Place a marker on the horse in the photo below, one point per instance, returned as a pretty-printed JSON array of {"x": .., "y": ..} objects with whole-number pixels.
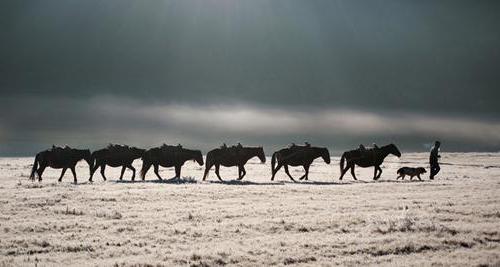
[
  {"x": 366, "y": 158},
  {"x": 168, "y": 156},
  {"x": 115, "y": 156},
  {"x": 232, "y": 156},
  {"x": 59, "y": 158},
  {"x": 297, "y": 156}
]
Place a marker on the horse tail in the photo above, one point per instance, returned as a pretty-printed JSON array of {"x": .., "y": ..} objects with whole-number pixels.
[
  {"x": 146, "y": 164},
  {"x": 342, "y": 162},
  {"x": 210, "y": 159},
  {"x": 273, "y": 161},
  {"x": 93, "y": 159},
  {"x": 35, "y": 167},
  {"x": 209, "y": 162}
]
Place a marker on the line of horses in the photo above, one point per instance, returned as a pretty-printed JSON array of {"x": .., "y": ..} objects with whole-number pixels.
[{"x": 175, "y": 156}]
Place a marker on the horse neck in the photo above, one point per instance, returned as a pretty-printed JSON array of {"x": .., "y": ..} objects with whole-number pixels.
[
  {"x": 250, "y": 152},
  {"x": 186, "y": 155},
  {"x": 384, "y": 151},
  {"x": 78, "y": 154},
  {"x": 135, "y": 154},
  {"x": 317, "y": 153}
]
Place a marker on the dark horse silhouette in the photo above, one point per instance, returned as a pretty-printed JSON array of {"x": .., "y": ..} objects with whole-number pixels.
[
  {"x": 297, "y": 156},
  {"x": 168, "y": 156},
  {"x": 232, "y": 156},
  {"x": 115, "y": 156},
  {"x": 59, "y": 158},
  {"x": 366, "y": 158}
]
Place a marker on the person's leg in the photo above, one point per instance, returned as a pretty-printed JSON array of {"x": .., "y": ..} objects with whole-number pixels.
[
  {"x": 434, "y": 171},
  {"x": 437, "y": 169}
]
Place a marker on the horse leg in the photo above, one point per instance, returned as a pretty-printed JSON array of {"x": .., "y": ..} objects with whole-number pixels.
[
  {"x": 62, "y": 174},
  {"x": 207, "y": 169},
  {"x": 123, "y": 171},
  {"x": 40, "y": 172},
  {"x": 103, "y": 168},
  {"x": 133, "y": 171},
  {"x": 178, "y": 171},
  {"x": 276, "y": 170},
  {"x": 217, "y": 167},
  {"x": 244, "y": 172},
  {"x": 74, "y": 174},
  {"x": 241, "y": 172},
  {"x": 92, "y": 171},
  {"x": 303, "y": 176},
  {"x": 307, "y": 171},
  {"x": 379, "y": 172},
  {"x": 375, "y": 173},
  {"x": 342, "y": 172},
  {"x": 418, "y": 176},
  {"x": 352, "y": 172},
  {"x": 288, "y": 173},
  {"x": 146, "y": 169},
  {"x": 156, "y": 167}
]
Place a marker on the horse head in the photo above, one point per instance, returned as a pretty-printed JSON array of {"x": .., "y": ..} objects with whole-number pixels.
[
  {"x": 393, "y": 149},
  {"x": 261, "y": 155},
  {"x": 325, "y": 154},
  {"x": 198, "y": 157}
]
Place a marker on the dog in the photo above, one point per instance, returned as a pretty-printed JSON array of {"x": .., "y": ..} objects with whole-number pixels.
[{"x": 412, "y": 172}]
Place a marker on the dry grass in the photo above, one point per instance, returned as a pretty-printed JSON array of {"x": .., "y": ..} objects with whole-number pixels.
[{"x": 454, "y": 220}]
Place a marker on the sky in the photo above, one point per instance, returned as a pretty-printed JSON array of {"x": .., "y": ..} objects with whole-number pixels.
[{"x": 335, "y": 73}]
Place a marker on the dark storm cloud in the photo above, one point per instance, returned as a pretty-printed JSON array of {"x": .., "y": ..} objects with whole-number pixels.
[
  {"x": 435, "y": 60},
  {"x": 95, "y": 121}
]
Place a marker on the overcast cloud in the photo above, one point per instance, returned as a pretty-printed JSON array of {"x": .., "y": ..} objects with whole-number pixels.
[{"x": 202, "y": 72}]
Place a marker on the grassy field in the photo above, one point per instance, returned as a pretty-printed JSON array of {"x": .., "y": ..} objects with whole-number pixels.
[{"x": 451, "y": 221}]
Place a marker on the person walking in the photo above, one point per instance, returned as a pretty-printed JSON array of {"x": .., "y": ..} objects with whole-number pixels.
[{"x": 434, "y": 160}]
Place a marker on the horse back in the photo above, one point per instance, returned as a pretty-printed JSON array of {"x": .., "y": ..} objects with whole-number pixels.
[
  {"x": 225, "y": 157},
  {"x": 295, "y": 157},
  {"x": 59, "y": 159},
  {"x": 163, "y": 157}
]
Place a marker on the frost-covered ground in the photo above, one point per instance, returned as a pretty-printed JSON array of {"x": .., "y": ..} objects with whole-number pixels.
[{"x": 454, "y": 220}]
